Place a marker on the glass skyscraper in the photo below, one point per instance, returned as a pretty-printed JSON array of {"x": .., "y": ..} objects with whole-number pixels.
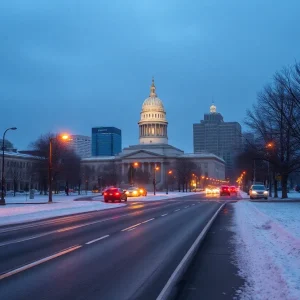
[{"x": 106, "y": 141}]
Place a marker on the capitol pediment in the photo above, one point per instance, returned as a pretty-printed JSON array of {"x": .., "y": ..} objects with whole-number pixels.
[{"x": 141, "y": 154}]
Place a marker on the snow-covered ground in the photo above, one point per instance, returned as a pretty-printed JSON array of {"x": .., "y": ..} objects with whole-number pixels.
[
  {"x": 24, "y": 198},
  {"x": 267, "y": 249},
  {"x": 162, "y": 196},
  {"x": 21, "y": 208},
  {"x": 291, "y": 196}
]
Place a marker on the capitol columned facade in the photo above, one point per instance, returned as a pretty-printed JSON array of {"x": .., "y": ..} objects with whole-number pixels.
[{"x": 153, "y": 151}]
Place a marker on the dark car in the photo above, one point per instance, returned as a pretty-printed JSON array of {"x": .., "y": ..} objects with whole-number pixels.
[
  {"x": 114, "y": 194},
  {"x": 233, "y": 190},
  {"x": 224, "y": 190}
]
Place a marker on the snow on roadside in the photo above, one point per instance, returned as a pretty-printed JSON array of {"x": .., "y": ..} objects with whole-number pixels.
[
  {"x": 267, "y": 250},
  {"x": 291, "y": 196},
  {"x": 16, "y": 213},
  {"x": 162, "y": 196},
  {"x": 23, "y": 198}
]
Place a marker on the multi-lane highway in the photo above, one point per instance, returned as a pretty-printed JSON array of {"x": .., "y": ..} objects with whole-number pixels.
[{"x": 123, "y": 253}]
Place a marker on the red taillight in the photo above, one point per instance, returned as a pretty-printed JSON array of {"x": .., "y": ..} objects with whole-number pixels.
[
  {"x": 105, "y": 194},
  {"x": 117, "y": 194}
]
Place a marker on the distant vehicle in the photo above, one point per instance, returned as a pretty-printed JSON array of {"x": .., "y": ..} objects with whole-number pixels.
[
  {"x": 142, "y": 191},
  {"x": 208, "y": 191},
  {"x": 258, "y": 191},
  {"x": 297, "y": 188},
  {"x": 105, "y": 189},
  {"x": 233, "y": 190},
  {"x": 133, "y": 192},
  {"x": 114, "y": 194},
  {"x": 224, "y": 190},
  {"x": 95, "y": 190}
]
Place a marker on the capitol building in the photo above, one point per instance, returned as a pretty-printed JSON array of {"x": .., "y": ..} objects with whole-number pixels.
[{"x": 153, "y": 153}]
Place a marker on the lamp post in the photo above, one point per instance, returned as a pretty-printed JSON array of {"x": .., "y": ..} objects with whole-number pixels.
[
  {"x": 156, "y": 168},
  {"x": 63, "y": 137},
  {"x": 2, "y": 200},
  {"x": 133, "y": 165},
  {"x": 168, "y": 173},
  {"x": 269, "y": 146}
]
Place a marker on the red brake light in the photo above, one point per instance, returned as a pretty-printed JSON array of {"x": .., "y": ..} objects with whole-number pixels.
[
  {"x": 105, "y": 194},
  {"x": 117, "y": 194}
]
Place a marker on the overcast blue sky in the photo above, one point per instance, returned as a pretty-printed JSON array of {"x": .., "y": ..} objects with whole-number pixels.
[{"x": 70, "y": 64}]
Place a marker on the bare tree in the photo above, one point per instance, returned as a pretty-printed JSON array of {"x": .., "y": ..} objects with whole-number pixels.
[
  {"x": 275, "y": 120},
  {"x": 66, "y": 164},
  {"x": 184, "y": 169}
]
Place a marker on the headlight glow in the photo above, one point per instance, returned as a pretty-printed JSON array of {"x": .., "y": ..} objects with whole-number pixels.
[
  {"x": 134, "y": 192},
  {"x": 254, "y": 192}
]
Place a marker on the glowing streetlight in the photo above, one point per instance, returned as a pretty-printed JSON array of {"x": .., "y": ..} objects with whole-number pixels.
[
  {"x": 170, "y": 172},
  {"x": 63, "y": 137},
  {"x": 156, "y": 168}
]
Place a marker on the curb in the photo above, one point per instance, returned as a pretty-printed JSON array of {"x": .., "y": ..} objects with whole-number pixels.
[{"x": 168, "y": 289}]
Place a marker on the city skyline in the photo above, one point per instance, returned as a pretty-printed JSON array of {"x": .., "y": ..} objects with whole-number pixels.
[{"x": 61, "y": 72}]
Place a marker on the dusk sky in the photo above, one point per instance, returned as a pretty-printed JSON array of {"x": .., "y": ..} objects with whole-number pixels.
[{"x": 69, "y": 65}]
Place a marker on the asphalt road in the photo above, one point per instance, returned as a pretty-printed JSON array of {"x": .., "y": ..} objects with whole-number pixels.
[{"x": 123, "y": 253}]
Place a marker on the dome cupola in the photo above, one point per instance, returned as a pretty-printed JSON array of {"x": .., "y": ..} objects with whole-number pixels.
[{"x": 153, "y": 124}]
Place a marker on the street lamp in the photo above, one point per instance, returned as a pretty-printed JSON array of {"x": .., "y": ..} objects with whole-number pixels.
[
  {"x": 156, "y": 168},
  {"x": 170, "y": 172},
  {"x": 2, "y": 200},
  {"x": 63, "y": 137},
  {"x": 133, "y": 165},
  {"x": 269, "y": 146}
]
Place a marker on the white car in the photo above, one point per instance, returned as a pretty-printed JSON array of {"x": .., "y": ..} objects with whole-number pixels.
[{"x": 258, "y": 191}]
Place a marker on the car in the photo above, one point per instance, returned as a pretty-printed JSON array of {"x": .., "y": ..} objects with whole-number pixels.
[
  {"x": 233, "y": 190},
  {"x": 114, "y": 194},
  {"x": 224, "y": 190},
  {"x": 133, "y": 192},
  {"x": 258, "y": 191},
  {"x": 142, "y": 191},
  {"x": 105, "y": 189},
  {"x": 208, "y": 191}
]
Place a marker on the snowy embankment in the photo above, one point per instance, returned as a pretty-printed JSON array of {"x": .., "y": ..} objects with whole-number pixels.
[
  {"x": 22, "y": 209},
  {"x": 291, "y": 196},
  {"x": 267, "y": 249},
  {"x": 40, "y": 209}
]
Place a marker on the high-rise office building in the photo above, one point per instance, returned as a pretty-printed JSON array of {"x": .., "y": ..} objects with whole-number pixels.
[
  {"x": 216, "y": 136},
  {"x": 81, "y": 144},
  {"x": 106, "y": 141}
]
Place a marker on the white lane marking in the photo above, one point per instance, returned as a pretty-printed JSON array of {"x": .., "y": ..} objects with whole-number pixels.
[
  {"x": 193, "y": 204},
  {"x": 38, "y": 262},
  {"x": 131, "y": 229},
  {"x": 177, "y": 210},
  {"x": 186, "y": 206},
  {"x": 25, "y": 239},
  {"x": 179, "y": 271},
  {"x": 96, "y": 240},
  {"x": 148, "y": 221},
  {"x": 131, "y": 226},
  {"x": 69, "y": 228},
  {"x": 163, "y": 215}
]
